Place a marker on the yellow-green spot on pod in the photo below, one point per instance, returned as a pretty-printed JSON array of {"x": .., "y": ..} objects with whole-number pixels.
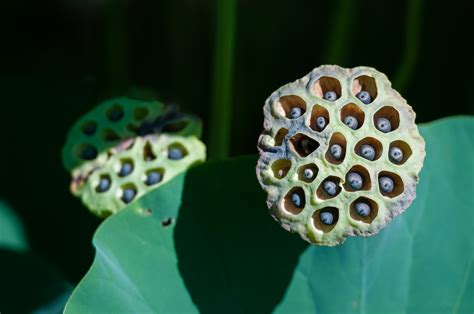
[{"x": 362, "y": 166}]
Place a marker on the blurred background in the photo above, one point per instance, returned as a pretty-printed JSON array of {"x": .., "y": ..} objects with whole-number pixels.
[{"x": 60, "y": 58}]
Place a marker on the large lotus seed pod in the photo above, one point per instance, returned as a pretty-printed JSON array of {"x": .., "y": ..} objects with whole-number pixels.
[
  {"x": 118, "y": 119},
  {"x": 339, "y": 155},
  {"x": 134, "y": 168}
]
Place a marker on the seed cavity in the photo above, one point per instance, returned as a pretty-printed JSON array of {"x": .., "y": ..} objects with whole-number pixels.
[
  {"x": 332, "y": 155},
  {"x": 326, "y": 87},
  {"x": 291, "y": 106},
  {"x": 280, "y": 168},
  {"x": 369, "y": 148},
  {"x": 325, "y": 219},
  {"x": 352, "y": 116},
  {"x": 176, "y": 151},
  {"x": 330, "y": 95},
  {"x": 363, "y": 209},
  {"x": 308, "y": 173},
  {"x": 294, "y": 201},
  {"x": 89, "y": 128},
  {"x": 351, "y": 122},
  {"x": 303, "y": 144},
  {"x": 383, "y": 125},
  {"x": 126, "y": 167},
  {"x": 319, "y": 118},
  {"x": 364, "y": 88},
  {"x": 329, "y": 188},
  {"x": 115, "y": 113},
  {"x": 387, "y": 119},
  {"x": 399, "y": 152},
  {"x": 355, "y": 180},
  {"x": 129, "y": 192},
  {"x": 154, "y": 176}
]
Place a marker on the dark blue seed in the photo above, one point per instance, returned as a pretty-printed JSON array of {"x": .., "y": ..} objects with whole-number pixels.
[
  {"x": 355, "y": 180},
  {"x": 295, "y": 112},
  {"x": 128, "y": 195},
  {"x": 296, "y": 199},
  {"x": 321, "y": 122},
  {"x": 175, "y": 154},
  {"x": 327, "y": 218},
  {"x": 396, "y": 154},
  {"x": 104, "y": 184},
  {"x": 330, "y": 188},
  {"x": 153, "y": 177},
  {"x": 367, "y": 151},
  {"x": 364, "y": 97},
  {"x": 362, "y": 209},
  {"x": 126, "y": 169},
  {"x": 386, "y": 184},
  {"x": 336, "y": 151},
  {"x": 89, "y": 128},
  {"x": 351, "y": 122},
  {"x": 383, "y": 125},
  {"x": 115, "y": 114},
  {"x": 331, "y": 96},
  {"x": 89, "y": 153}
]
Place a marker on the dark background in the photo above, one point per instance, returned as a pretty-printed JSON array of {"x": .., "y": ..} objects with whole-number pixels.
[{"x": 60, "y": 58}]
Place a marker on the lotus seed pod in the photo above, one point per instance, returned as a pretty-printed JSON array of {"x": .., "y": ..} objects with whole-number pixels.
[
  {"x": 347, "y": 194},
  {"x": 134, "y": 168}
]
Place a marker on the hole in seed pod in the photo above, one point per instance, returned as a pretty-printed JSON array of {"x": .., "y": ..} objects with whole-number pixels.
[
  {"x": 390, "y": 184},
  {"x": 399, "y": 152},
  {"x": 109, "y": 135},
  {"x": 154, "y": 176},
  {"x": 386, "y": 119},
  {"x": 281, "y": 167},
  {"x": 364, "y": 209},
  {"x": 329, "y": 188},
  {"x": 126, "y": 167},
  {"x": 177, "y": 151},
  {"x": 280, "y": 136},
  {"x": 167, "y": 222},
  {"x": 327, "y": 87},
  {"x": 325, "y": 219},
  {"x": 140, "y": 113},
  {"x": 369, "y": 148},
  {"x": 303, "y": 144},
  {"x": 148, "y": 154},
  {"x": 319, "y": 118},
  {"x": 308, "y": 173},
  {"x": 352, "y": 116},
  {"x": 115, "y": 113},
  {"x": 89, "y": 128},
  {"x": 175, "y": 126},
  {"x": 128, "y": 193},
  {"x": 294, "y": 201},
  {"x": 86, "y": 152},
  {"x": 104, "y": 183},
  {"x": 336, "y": 154},
  {"x": 357, "y": 179},
  {"x": 291, "y": 106},
  {"x": 362, "y": 84}
]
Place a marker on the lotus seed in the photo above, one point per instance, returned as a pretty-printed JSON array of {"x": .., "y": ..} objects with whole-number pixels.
[
  {"x": 308, "y": 173},
  {"x": 104, "y": 185},
  {"x": 331, "y": 96},
  {"x": 321, "y": 122},
  {"x": 367, "y": 151},
  {"x": 296, "y": 199},
  {"x": 295, "y": 112},
  {"x": 330, "y": 188},
  {"x": 153, "y": 177},
  {"x": 396, "y": 154},
  {"x": 355, "y": 180},
  {"x": 386, "y": 184},
  {"x": 128, "y": 195},
  {"x": 89, "y": 129},
  {"x": 327, "y": 218},
  {"x": 336, "y": 151},
  {"x": 364, "y": 96},
  {"x": 126, "y": 169},
  {"x": 362, "y": 209},
  {"x": 351, "y": 122},
  {"x": 175, "y": 154},
  {"x": 115, "y": 114},
  {"x": 384, "y": 125}
]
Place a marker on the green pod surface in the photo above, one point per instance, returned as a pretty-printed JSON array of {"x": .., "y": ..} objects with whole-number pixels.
[{"x": 290, "y": 145}]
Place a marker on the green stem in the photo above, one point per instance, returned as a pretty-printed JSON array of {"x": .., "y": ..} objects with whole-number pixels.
[
  {"x": 412, "y": 44},
  {"x": 219, "y": 138}
]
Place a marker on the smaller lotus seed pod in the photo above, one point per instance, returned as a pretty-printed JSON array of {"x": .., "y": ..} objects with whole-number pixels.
[
  {"x": 331, "y": 96},
  {"x": 327, "y": 218},
  {"x": 296, "y": 199},
  {"x": 330, "y": 188},
  {"x": 308, "y": 174},
  {"x": 175, "y": 154},
  {"x": 128, "y": 195},
  {"x": 386, "y": 184},
  {"x": 153, "y": 178},
  {"x": 321, "y": 122},
  {"x": 351, "y": 122},
  {"x": 396, "y": 154},
  {"x": 355, "y": 180},
  {"x": 383, "y": 125},
  {"x": 364, "y": 96},
  {"x": 104, "y": 185},
  {"x": 336, "y": 151},
  {"x": 367, "y": 151},
  {"x": 362, "y": 209},
  {"x": 295, "y": 112},
  {"x": 126, "y": 169}
]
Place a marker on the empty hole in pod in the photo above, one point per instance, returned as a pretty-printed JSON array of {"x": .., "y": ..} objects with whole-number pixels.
[
  {"x": 174, "y": 126},
  {"x": 126, "y": 167},
  {"x": 369, "y": 148},
  {"x": 329, "y": 188},
  {"x": 390, "y": 184},
  {"x": 148, "y": 154},
  {"x": 363, "y": 209},
  {"x": 115, "y": 113},
  {"x": 352, "y": 116},
  {"x": 319, "y": 118},
  {"x": 280, "y": 136},
  {"x": 337, "y": 149},
  {"x": 86, "y": 152},
  {"x": 363, "y": 84},
  {"x": 308, "y": 173},
  {"x": 327, "y": 87},
  {"x": 140, "y": 113},
  {"x": 177, "y": 151},
  {"x": 89, "y": 128},
  {"x": 399, "y": 152},
  {"x": 128, "y": 193},
  {"x": 303, "y": 144},
  {"x": 357, "y": 178},
  {"x": 104, "y": 183},
  {"x": 294, "y": 201},
  {"x": 325, "y": 219},
  {"x": 281, "y": 167},
  {"x": 154, "y": 176},
  {"x": 109, "y": 135},
  {"x": 291, "y": 106},
  {"x": 384, "y": 115}
]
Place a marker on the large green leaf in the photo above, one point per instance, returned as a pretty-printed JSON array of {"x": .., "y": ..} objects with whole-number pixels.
[
  {"x": 12, "y": 235},
  {"x": 225, "y": 254}
]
